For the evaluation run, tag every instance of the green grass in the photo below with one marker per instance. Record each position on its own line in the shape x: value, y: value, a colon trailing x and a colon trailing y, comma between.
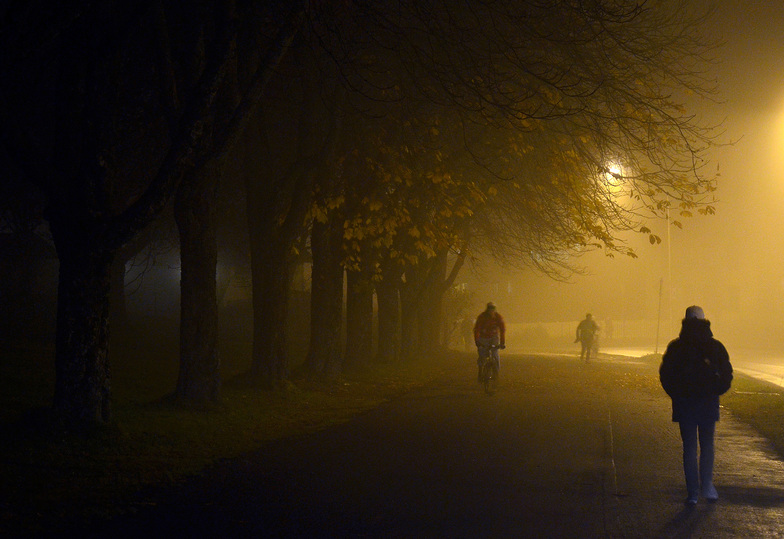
x: 151, y: 443
x: 759, y: 404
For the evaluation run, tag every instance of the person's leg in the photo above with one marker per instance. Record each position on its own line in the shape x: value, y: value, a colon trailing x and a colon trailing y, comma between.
x: 479, y: 362
x: 494, y: 354
x: 483, y: 350
x: 706, y: 435
x: 690, y: 469
x: 496, y: 360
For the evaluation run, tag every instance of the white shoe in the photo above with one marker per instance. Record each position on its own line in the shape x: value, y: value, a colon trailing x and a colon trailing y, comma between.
x: 709, y: 493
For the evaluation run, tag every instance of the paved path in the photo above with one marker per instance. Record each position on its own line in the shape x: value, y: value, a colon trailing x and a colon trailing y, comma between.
x: 562, y: 449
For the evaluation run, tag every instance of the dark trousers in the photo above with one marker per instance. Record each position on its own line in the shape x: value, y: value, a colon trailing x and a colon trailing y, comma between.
x: 698, y: 474
x: 585, y: 353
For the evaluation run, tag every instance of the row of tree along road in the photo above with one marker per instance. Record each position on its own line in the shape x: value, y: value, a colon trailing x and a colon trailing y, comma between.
x: 387, y: 142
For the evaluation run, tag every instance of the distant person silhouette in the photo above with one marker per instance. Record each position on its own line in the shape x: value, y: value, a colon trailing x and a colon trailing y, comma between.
x: 586, y: 334
x: 695, y: 370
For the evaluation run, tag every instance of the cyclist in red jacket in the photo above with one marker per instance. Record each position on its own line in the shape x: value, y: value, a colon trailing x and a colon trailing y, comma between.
x: 489, y: 330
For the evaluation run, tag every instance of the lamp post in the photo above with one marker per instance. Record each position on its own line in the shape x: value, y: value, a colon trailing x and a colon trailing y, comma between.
x: 671, y: 289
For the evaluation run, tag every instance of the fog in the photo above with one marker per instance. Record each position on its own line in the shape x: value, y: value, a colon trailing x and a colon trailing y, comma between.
x: 729, y: 263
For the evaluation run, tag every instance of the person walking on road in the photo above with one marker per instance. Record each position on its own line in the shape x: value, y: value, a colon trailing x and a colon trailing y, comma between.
x: 489, y: 330
x: 586, y: 333
x: 695, y: 371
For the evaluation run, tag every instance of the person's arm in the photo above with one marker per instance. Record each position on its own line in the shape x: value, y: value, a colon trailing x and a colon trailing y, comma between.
x: 725, y: 369
x: 502, y: 330
x: 667, y: 374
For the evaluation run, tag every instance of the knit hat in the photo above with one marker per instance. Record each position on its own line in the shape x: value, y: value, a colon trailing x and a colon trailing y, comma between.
x: 694, y: 312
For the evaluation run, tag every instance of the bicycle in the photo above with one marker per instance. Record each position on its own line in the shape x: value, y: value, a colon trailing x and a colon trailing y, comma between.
x: 489, y: 367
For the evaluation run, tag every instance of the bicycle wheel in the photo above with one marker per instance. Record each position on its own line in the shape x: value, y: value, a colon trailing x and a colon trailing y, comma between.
x: 490, y: 377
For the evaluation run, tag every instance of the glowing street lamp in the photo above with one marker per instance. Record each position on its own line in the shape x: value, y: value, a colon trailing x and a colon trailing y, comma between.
x: 613, y: 175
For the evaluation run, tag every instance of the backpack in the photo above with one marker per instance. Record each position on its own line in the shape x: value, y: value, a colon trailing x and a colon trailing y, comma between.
x: 701, y: 378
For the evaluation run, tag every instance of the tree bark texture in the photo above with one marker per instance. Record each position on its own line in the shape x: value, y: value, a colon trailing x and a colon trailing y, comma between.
x: 82, y: 383
x: 430, y: 308
x: 410, y: 299
x: 359, y: 319
x: 326, y: 303
x: 119, y: 309
x: 388, y: 321
x: 271, y: 279
x: 194, y: 209
x: 271, y: 238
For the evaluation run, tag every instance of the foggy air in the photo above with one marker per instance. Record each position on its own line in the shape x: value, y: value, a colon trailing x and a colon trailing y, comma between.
x: 730, y: 262
x: 344, y: 268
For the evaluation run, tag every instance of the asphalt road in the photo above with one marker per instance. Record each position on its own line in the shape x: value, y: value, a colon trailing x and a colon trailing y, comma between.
x: 563, y: 449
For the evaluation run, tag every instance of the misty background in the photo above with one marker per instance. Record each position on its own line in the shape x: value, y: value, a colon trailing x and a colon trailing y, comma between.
x: 728, y: 263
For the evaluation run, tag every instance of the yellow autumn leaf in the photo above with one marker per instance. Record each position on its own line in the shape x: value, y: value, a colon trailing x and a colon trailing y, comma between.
x: 320, y: 214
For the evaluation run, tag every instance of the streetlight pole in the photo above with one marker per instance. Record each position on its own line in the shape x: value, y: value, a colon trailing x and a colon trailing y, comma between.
x: 658, y: 318
x: 671, y: 289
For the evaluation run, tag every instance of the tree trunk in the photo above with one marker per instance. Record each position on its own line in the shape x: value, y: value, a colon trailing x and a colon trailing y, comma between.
x: 82, y: 383
x: 194, y: 210
x: 271, y: 277
x: 326, y: 299
x: 388, y: 321
x: 119, y: 309
x: 430, y: 308
x: 422, y: 302
x: 271, y: 240
x: 409, y: 332
x: 359, y: 319
x: 411, y: 294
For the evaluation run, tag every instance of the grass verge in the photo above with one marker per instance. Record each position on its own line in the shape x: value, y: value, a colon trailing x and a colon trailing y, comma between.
x: 759, y: 404
x: 47, y: 482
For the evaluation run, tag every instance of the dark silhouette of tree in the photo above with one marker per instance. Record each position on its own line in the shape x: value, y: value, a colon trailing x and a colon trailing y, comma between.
x: 284, y: 153
x: 106, y: 107
x: 513, y: 109
x: 194, y: 210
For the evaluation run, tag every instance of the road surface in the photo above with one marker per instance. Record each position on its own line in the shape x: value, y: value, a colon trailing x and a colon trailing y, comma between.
x: 563, y: 449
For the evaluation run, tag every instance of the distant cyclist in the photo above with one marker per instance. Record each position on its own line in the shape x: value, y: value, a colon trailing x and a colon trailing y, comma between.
x: 489, y: 330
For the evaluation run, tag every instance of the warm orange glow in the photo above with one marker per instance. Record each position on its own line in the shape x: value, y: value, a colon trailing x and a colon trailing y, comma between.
x: 613, y: 176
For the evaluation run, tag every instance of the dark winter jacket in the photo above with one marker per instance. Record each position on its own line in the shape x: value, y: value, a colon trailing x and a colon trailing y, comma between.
x: 695, y: 370
x: 490, y: 324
